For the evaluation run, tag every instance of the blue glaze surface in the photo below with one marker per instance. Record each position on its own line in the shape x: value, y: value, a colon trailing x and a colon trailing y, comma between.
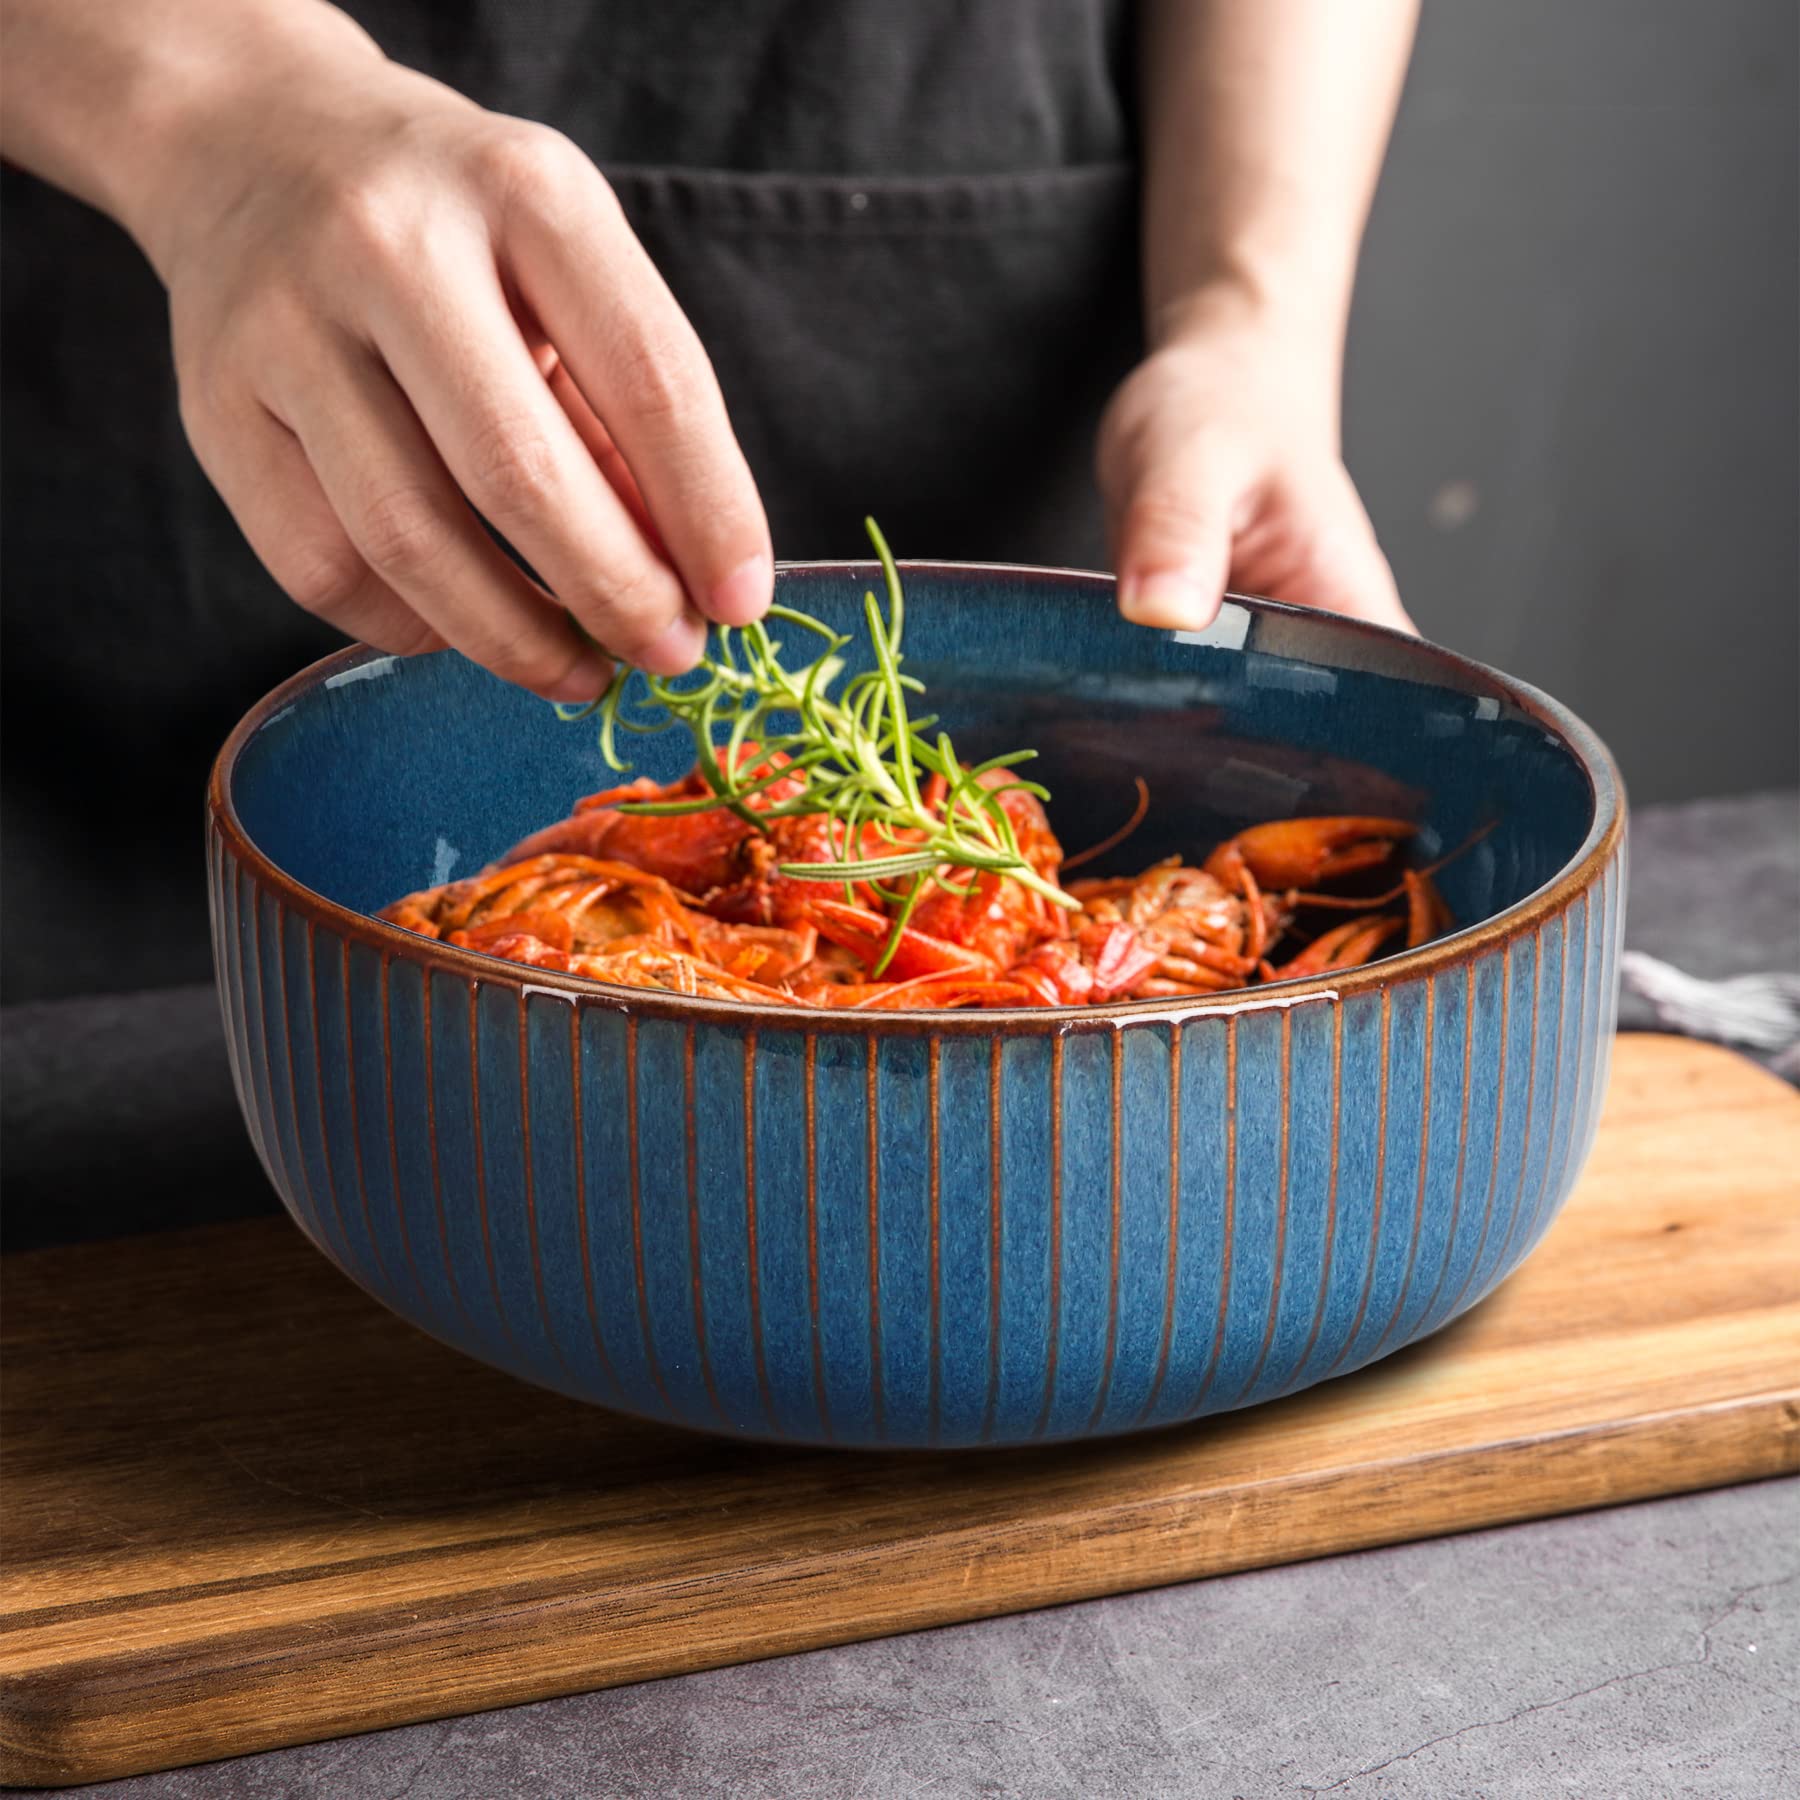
x: 949, y: 1230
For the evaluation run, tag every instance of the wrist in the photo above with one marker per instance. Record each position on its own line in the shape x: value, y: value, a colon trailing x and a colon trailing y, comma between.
x: 1248, y: 364
x: 1305, y: 319
x: 1257, y: 339
x: 189, y: 100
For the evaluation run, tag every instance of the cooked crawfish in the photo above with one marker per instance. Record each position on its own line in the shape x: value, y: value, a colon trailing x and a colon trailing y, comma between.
x: 728, y: 865
x: 695, y: 903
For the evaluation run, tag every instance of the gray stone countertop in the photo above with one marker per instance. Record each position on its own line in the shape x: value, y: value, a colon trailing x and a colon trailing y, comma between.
x: 1638, y: 1653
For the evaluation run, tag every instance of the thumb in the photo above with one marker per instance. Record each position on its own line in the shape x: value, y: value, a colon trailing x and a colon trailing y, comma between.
x: 1172, y: 520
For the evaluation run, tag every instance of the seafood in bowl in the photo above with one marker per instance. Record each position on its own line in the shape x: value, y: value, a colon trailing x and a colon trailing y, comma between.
x: 913, y: 1225
x: 950, y: 885
x: 767, y: 939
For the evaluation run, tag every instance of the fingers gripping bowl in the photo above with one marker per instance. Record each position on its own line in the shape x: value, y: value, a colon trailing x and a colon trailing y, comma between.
x: 931, y: 1228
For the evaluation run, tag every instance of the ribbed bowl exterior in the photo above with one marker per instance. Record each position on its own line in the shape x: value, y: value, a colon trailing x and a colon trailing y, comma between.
x: 904, y: 1235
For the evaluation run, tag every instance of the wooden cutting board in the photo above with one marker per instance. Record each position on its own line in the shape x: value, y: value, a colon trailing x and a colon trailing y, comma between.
x: 245, y: 1507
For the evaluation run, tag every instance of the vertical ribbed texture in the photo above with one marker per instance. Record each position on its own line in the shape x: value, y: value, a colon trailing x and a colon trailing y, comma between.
x: 1444, y: 1227
x: 1226, y: 1252
x: 543, y: 1178
x: 935, y: 1280
x: 963, y: 1192
x: 917, y: 1238
x: 1277, y: 1272
x: 1372, y: 1212
x: 696, y: 1285
x: 752, y: 1266
x: 1171, y: 1229
x: 578, y: 1209
x: 334, y: 1098
x: 1052, y: 1354
x: 283, y: 1004
x: 996, y: 1241
x: 1140, y: 1177
x: 367, y: 1091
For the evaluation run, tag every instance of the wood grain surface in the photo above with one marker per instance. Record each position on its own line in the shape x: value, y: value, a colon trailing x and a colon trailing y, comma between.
x: 245, y: 1507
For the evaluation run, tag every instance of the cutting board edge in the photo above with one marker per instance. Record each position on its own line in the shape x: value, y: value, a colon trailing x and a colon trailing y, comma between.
x: 64, y: 1729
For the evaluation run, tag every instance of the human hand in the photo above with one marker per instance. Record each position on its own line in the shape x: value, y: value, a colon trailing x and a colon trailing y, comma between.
x: 392, y: 310
x: 1220, y: 466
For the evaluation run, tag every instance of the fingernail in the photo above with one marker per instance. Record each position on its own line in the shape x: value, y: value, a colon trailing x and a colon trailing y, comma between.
x: 676, y: 649
x: 744, y: 594
x: 1168, y: 599
x: 584, y: 683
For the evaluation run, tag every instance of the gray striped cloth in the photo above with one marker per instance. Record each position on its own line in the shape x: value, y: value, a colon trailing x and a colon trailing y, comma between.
x: 1756, y: 1012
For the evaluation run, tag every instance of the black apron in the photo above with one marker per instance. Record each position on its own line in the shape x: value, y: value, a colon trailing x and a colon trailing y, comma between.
x: 906, y: 234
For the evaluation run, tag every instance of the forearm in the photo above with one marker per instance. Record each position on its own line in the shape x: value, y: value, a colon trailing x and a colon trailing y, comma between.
x: 1220, y: 459
x: 1264, y: 125
x: 107, y: 98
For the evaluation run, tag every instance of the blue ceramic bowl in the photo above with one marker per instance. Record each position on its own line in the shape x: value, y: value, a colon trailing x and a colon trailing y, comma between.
x: 932, y: 1229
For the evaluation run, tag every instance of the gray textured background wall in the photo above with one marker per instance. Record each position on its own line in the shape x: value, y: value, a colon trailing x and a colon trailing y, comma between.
x: 1572, y: 397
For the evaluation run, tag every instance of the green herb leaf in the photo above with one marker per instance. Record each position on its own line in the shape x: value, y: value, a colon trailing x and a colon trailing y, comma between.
x: 854, y: 759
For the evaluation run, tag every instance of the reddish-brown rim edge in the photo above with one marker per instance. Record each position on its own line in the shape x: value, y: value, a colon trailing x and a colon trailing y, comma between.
x: 1579, y: 873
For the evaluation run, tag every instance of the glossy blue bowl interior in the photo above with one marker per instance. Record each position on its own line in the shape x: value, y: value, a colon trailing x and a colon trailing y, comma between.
x: 933, y: 1229
x: 402, y: 773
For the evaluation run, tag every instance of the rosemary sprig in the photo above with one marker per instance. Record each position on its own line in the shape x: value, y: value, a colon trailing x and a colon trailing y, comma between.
x: 857, y: 758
